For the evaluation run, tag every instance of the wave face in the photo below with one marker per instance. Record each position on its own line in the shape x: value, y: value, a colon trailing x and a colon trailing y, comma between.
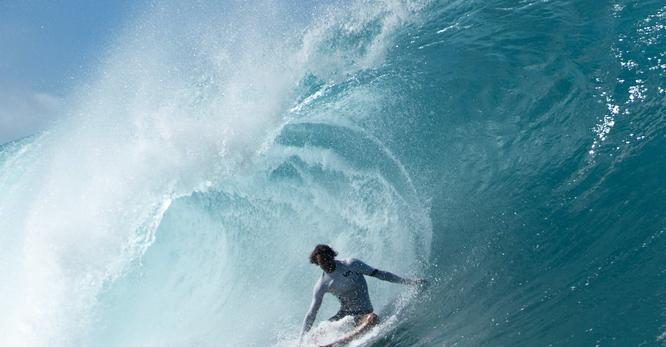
x: 510, y: 151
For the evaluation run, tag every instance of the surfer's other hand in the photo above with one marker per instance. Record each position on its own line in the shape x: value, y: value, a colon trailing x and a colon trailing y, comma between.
x: 420, y: 282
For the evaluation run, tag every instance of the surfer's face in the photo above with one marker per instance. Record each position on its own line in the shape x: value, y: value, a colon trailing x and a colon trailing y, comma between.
x: 326, y: 263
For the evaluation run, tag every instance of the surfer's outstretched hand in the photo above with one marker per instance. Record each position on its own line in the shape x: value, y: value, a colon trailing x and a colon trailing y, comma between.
x: 421, y: 283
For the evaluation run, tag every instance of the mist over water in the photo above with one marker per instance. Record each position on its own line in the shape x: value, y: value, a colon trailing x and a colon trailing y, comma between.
x: 510, y: 151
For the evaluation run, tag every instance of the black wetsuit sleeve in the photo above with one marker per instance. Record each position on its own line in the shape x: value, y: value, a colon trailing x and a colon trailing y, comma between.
x: 365, y: 269
x: 388, y: 276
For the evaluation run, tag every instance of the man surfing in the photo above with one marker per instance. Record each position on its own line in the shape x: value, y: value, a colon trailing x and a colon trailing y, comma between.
x: 345, y: 279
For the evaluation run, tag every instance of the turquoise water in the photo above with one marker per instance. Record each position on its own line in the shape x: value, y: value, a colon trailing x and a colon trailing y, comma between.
x: 513, y: 152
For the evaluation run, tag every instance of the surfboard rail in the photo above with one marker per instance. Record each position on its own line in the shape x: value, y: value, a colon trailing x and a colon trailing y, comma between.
x: 365, y: 323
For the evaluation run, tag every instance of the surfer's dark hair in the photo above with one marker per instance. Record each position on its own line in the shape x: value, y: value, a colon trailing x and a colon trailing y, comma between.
x: 324, y: 251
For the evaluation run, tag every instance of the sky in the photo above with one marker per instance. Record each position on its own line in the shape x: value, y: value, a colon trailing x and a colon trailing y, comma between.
x: 46, y: 49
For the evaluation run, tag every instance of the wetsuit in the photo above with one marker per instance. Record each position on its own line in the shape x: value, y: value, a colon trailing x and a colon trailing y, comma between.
x: 347, y: 283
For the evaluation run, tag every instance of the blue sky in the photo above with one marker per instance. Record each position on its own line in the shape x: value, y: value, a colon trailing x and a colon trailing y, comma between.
x: 46, y: 49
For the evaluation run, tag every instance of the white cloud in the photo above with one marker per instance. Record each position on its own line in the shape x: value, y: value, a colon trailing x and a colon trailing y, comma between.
x: 24, y: 112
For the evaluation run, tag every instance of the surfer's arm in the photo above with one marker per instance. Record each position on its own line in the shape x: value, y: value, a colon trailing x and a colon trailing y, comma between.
x: 363, y: 268
x: 317, y: 297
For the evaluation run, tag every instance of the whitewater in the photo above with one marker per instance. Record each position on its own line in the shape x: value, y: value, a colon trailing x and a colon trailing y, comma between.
x: 511, y: 152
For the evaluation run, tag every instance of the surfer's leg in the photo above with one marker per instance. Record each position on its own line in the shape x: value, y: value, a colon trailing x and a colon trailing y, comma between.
x: 341, y: 314
x: 363, y: 323
x: 369, y: 319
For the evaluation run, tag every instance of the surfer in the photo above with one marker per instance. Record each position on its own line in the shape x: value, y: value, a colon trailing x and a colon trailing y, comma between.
x: 345, y: 279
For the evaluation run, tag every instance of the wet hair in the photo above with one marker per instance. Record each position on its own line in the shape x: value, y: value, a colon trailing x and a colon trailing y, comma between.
x: 324, y: 251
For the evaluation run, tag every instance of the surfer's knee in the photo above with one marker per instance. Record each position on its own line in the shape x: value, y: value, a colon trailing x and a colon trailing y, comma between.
x: 372, y: 319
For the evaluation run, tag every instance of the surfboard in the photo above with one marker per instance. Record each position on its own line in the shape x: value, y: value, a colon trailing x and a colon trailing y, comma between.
x: 364, y: 325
